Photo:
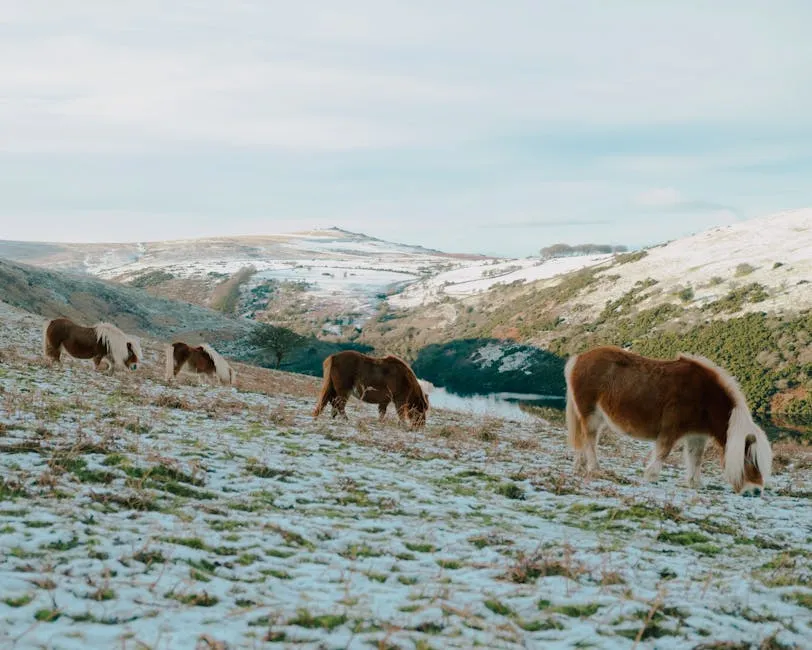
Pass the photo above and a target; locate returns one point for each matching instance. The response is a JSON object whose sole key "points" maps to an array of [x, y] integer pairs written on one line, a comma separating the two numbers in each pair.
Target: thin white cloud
{"points": [[659, 197], [383, 74]]}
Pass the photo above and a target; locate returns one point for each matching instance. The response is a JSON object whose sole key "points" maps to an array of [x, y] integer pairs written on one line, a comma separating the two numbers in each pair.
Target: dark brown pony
{"points": [[201, 360], [688, 398], [102, 341], [375, 381]]}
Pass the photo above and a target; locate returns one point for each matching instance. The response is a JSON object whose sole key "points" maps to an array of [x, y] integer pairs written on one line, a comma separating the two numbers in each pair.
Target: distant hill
{"points": [[325, 282], [740, 295], [88, 300]]}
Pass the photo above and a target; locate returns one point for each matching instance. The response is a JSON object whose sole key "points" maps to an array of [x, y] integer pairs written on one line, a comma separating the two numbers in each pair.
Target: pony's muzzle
{"points": [[751, 490]]}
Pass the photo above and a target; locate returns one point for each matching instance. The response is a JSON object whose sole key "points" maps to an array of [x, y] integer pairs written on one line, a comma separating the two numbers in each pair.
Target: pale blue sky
{"points": [[470, 125]]}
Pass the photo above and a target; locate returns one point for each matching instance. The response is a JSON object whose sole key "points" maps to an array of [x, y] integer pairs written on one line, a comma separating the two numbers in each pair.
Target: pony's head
{"points": [[133, 355], [418, 405], [748, 459]]}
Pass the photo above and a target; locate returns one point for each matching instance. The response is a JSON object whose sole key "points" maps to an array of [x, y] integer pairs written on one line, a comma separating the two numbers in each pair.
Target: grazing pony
{"points": [[102, 341], [202, 360], [375, 381], [688, 398]]}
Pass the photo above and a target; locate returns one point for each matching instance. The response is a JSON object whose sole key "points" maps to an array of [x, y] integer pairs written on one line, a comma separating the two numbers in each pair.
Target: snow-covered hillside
{"points": [[136, 513], [774, 251], [348, 269], [481, 276]]}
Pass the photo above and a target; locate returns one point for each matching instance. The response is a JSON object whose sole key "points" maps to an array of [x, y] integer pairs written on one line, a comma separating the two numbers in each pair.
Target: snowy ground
{"points": [[773, 251], [137, 514], [480, 276]]}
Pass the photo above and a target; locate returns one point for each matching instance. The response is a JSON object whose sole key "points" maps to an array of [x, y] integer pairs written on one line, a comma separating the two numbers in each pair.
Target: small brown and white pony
{"points": [[375, 381], [688, 398], [201, 360], [101, 341]]}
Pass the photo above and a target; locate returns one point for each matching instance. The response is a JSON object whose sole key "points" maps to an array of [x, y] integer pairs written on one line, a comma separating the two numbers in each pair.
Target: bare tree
{"points": [[277, 340]]}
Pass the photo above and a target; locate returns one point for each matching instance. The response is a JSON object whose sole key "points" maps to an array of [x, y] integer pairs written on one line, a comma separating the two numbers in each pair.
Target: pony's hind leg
{"points": [[587, 457], [692, 450], [382, 410], [656, 458]]}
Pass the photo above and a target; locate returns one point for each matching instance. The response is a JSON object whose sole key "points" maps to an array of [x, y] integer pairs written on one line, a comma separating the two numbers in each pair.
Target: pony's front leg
{"points": [[382, 410], [338, 405], [579, 466], [655, 463], [693, 449]]}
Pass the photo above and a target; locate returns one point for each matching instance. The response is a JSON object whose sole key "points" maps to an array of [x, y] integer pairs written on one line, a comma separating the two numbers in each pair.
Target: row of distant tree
{"points": [[565, 250]]}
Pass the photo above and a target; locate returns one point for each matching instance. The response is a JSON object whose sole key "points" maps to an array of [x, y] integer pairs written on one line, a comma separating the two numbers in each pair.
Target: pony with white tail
{"points": [[688, 398], [200, 360], [101, 342]]}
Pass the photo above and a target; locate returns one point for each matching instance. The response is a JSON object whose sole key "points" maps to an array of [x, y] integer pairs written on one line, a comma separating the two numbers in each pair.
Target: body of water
{"points": [[503, 405]]}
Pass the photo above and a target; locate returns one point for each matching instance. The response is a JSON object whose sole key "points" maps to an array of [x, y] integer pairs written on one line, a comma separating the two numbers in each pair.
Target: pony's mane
{"points": [[417, 394], [740, 427], [116, 342], [410, 373], [221, 367]]}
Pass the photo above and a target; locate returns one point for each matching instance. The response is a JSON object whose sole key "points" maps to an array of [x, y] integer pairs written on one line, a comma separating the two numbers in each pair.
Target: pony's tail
{"points": [[48, 350], [327, 392], [745, 438], [170, 362], [575, 434]]}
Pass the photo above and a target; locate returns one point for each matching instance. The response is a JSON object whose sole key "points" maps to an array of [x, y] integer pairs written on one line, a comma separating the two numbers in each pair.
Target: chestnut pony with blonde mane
{"points": [[688, 398], [102, 341], [201, 360], [375, 381]]}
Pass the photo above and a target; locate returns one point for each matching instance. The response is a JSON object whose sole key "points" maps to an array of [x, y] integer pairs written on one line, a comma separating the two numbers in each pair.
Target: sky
{"points": [[463, 125]]}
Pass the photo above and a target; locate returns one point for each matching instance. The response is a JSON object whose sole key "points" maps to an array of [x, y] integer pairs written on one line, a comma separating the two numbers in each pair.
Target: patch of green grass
{"points": [[377, 577], [191, 542], [759, 542], [354, 551], [78, 467], [194, 574], [304, 618], [10, 490], [539, 625], [162, 473], [277, 573], [38, 524], [202, 565], [408, 580], [420, 547], [275, 552], [707, 549], [47, 615], [498, 607], [799, 598], [511, 491], [481, 541], [682, 538], [263, 471], [576, 611], [102, 593], [202, 599], [247, 559], [20, 601], [62, 545], [290, 537], [450, 564], [149, 557]]}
